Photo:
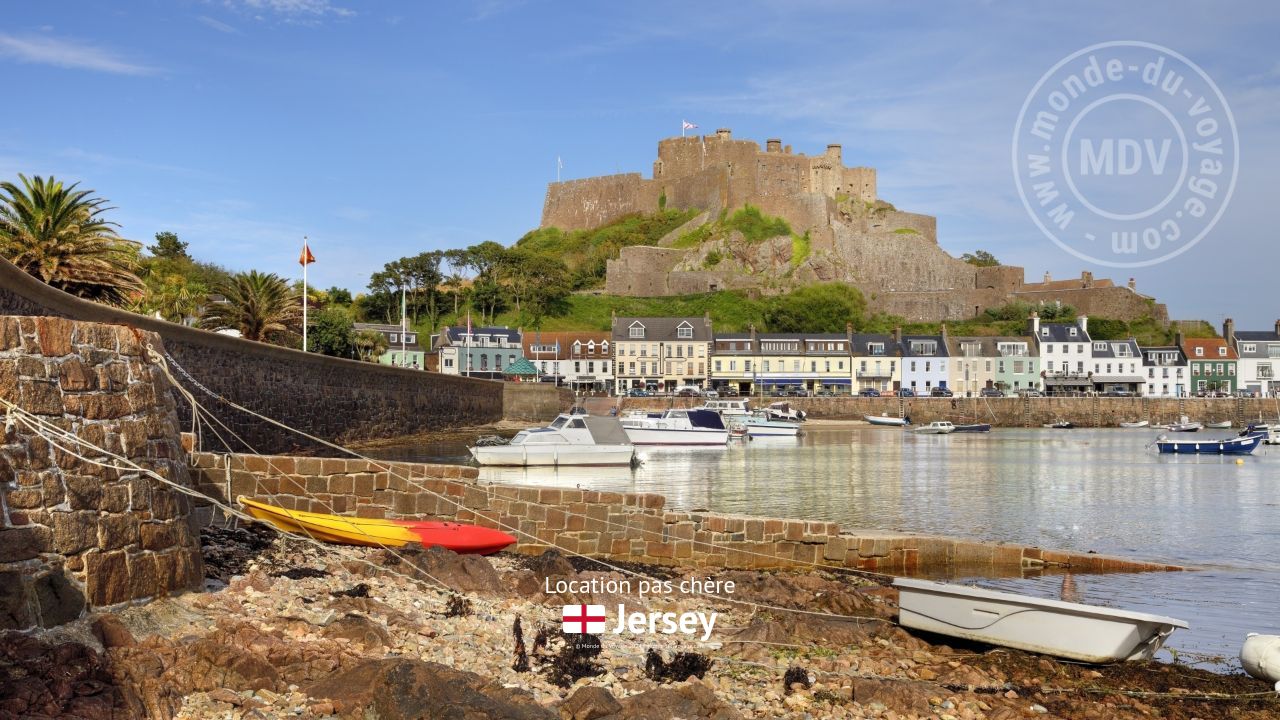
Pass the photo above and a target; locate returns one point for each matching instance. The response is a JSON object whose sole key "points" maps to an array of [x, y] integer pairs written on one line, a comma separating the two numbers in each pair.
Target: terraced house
{"points": [[660, 353], [1066, 357], [483, 352], [1167, 371], [1117, 367], [577, 359], [1259, 359], [1213, 365], [924, 362], [767, 363], [1004, 363], [876, 362]]}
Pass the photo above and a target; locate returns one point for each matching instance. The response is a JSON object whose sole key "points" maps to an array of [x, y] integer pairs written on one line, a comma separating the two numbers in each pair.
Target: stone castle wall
{"points": [[634, 527], [76, 536]]}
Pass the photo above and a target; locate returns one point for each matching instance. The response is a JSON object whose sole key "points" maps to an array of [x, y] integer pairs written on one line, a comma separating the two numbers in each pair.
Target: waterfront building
{"points": [[403, 349], [581, 360], [1004, 363], [483, 352], [1259, 358], [1213, 365], [1167, 371], [1117, 367], [876, 362], [924, 361], [768, 363], [660, 353], [1066, 355]]}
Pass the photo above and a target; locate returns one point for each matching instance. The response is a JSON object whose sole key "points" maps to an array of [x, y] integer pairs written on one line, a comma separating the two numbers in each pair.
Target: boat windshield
{"points": [[560, 421]]}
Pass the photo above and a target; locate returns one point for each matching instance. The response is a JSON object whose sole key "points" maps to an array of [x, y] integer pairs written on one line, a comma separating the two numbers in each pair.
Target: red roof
{"points": [[1210, 347], [566, 339]]}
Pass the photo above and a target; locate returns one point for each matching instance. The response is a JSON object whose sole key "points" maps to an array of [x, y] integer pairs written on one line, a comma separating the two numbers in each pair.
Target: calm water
{"points": [[1099, 490]]}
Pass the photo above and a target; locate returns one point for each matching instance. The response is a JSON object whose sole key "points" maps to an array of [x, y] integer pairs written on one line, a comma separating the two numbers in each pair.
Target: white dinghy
{"points": [[1260, 657], [1087, 633]]}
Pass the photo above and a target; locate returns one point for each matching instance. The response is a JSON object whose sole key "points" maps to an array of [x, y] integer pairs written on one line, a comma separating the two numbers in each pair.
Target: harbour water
{"points": [[1099, 490]]}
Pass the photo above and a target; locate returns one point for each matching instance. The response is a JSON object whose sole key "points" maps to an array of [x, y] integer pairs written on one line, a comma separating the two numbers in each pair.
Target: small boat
{"points": [[728, 408], [1270, 433], [378, 532], [571, 439], [1239, 445], [887, 421], [1184, 424], [973, 428], [1075, 631], [1219, 425], [675, 427], [763, 424], [1059, 425], [784, 411], [937, 427], [1260, 657], [1135, 424]]}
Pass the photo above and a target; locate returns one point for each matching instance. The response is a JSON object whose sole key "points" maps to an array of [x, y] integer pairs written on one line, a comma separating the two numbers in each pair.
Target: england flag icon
{"points": [[588, 619]]}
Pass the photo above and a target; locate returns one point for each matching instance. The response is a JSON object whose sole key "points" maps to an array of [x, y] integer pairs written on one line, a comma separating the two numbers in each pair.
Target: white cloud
{"points": [[299, 11], [46, 50], [217, 25]]}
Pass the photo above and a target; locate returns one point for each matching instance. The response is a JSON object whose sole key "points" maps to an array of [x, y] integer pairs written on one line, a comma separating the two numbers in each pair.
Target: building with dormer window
{"points": [[1213, 365], [1259, 363], [575, 359], [1167, 372], [754, 363], [1066, 355], [660, 354], [924, 361], [483, 352], [403, 349]]}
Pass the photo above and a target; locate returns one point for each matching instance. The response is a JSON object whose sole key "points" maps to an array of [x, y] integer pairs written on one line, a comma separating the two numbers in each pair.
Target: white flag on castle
{"points": [[686, 125]]}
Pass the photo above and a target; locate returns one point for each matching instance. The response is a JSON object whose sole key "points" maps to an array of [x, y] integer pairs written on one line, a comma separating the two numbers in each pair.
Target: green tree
{"points": [[370, 344], [338, 296], [331, 331], [981, 258], [169, 247], [540, 282], [174, 296], [58, 234], [824, 307], [261, 306], [488, 298]]}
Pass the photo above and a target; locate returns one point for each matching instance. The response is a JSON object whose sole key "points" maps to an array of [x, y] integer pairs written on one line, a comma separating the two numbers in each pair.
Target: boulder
{"points": [[589, 703], [691, 701], [358, 629], [461, 573], [901, 695]]}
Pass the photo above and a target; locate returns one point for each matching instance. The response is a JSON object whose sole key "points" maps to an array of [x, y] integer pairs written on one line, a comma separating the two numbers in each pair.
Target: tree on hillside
{"points": [[169, 247], [825, 307], [536, 280], [981, 258], [484, 258], [487, 297], [260, 306], [422, 272], [174, 296], [58, 234], [331, 332]]}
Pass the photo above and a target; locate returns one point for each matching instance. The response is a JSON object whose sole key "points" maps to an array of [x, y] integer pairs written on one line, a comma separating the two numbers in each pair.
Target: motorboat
{"points": [[1260, 657], [1074, 631], [1059, 425], [1219, 425], [1184, 424], [761, 423], [571, 439], [973, 427], [784, 411], [887, 421], [1135, 424], [675, 427], [1270, 433], [937, 427], [1239, 445], [728, 408], [380, 532]]}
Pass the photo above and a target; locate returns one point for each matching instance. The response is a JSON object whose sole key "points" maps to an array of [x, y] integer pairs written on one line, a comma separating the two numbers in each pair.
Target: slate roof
{"points": [[1110, 351], [661, 329], [1061, 332], [456, 334], [989, 345], [907, 350], [860, 341], [563, 341], [388, 330], [1259, 338], [1147, 350]]}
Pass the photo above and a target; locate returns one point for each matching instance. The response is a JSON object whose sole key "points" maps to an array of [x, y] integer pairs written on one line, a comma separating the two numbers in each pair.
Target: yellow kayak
{"points": [[379, 532]]}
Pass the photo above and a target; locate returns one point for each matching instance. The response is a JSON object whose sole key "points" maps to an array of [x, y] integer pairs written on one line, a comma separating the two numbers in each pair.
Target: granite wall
{"points": [[76, 536]]}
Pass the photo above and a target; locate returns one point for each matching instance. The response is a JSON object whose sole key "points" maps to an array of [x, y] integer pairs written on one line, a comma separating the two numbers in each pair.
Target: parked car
{"points": [[823, 393], [638, 392], [795, 392], [688, 391], [1030, 393], [1117, 393], [940, 392], [711, 394], [904, 392], [729, 392], [869, 392], [991, 392]]}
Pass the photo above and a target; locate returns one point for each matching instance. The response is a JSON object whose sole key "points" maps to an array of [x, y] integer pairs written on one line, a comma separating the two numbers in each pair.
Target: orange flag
{"points": [[306, 258]]}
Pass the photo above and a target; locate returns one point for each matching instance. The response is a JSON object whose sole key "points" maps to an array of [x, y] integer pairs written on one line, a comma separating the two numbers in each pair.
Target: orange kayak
{"points": [[379, 532]]}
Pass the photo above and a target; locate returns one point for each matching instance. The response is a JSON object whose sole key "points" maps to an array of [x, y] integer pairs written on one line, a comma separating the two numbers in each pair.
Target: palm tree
{"points": [[371, 344], [57, 233], [256, 304], [454, 284]]}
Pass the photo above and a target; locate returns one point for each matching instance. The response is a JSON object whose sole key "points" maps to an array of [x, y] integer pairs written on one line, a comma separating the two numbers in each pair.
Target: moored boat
{"points": [[1135, 424], [571, 439], [379, 532], [728, 408], [1075, 631], [887, 421], [973, 428], [675, 427], [1059, 425], [1239, 445], [1270, 433], [762, 424], [937, 427], [1219, 425], [784, 411], [1184, 424]]}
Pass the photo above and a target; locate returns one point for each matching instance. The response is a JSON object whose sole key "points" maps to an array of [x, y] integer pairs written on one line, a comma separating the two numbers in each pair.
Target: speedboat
{"points": [[728, 408], [1239, 445], [1134, 424], [675, 427], [762, 424], [1184, 424], [1074, 631], [1059, 425], [784, 411], [937, 427], [571, 439], [887, 421], [1270, 433]]}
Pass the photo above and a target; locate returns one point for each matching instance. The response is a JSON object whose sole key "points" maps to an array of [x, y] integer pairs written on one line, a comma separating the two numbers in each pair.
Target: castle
{"points": [[843, 232]]}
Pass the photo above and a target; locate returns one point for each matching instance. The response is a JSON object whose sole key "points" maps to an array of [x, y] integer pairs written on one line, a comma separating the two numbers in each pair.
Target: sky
{"points": [[383, 129]]}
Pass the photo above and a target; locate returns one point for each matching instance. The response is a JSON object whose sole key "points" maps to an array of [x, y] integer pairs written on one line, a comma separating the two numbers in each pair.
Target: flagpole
{"points": [[304, 293], [404, 359], [558, 166]]}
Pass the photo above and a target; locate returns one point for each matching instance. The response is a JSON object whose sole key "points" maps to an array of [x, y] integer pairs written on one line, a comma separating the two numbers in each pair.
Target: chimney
{"points": [[786, 150], [752, 328], [1083, 323], [1177, 338], [1033, 323], [1278, 327], [773, 145], [1229, 331], [897, 334], [848, 333], [1086, 278], [943, 330]]}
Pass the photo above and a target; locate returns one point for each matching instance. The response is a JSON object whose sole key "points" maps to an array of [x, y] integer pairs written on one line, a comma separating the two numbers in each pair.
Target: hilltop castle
{"points": [[844, 232]]}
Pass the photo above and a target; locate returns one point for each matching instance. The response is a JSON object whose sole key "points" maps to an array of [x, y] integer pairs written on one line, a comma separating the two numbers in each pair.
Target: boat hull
{"points": [[1229, 446], [1133, 425], [885, 420], [1073, 631], [553, 455], [1260, 657], [380, 532], [973, 428], [669, 436]]}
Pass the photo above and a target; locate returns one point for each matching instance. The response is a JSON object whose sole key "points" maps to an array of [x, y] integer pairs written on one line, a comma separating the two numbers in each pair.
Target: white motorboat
{"points": [[1184, 424], [784, 411], [1134, 424], [1219, 425], [571, 439], [762, 424], [728, 408], [1270, 433], [886, 420], [937, 427], [1075, 631], [675, 427], [1260, 657]]}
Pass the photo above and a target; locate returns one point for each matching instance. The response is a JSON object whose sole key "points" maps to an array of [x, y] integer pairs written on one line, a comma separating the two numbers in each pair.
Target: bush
{"points": [[756, 226]]}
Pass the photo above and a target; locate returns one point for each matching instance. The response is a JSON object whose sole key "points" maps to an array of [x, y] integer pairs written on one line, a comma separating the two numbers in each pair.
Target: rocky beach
{"points": [[283, 630]]}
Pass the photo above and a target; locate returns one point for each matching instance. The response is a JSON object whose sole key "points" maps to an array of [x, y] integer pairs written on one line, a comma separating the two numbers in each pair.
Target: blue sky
{"points": [[383, 129]]}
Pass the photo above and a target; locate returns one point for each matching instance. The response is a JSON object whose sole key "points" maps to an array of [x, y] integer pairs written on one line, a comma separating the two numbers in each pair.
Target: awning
{"points": [[1118, 379], [837, 381], [1068, 381]]}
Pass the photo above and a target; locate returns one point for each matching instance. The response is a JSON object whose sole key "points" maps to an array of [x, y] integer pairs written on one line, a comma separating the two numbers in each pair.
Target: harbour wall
{"points": [[332, 398], [633, 527], [1013, 412]]}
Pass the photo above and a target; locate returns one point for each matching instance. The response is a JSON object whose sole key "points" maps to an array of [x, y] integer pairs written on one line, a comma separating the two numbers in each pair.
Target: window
{"points": [[828, 368], [862, 367], [577, 367], [1195, 367], [971, 348], [1017, 366], [1080, 349], [395, 337], [913, 368], [684, 331], [746, 366], [448, 362], [411, 339], [1200, 383], [1080, 367], [1273, 350], [1099, 347], [1249, 348], [795, 366], [1050, 368], [1222, 352], [733, 365], [636, 330], [999, 366], [1044, 332], [766, 366], [876, 348], [633, 368], [484, 361], [1122, 350], [988, 366], [1218, 369], [1231, 369], [924, 347], [717, 366], [1264, 371], [1199, 352], [1073, 332], [1048, 348]]}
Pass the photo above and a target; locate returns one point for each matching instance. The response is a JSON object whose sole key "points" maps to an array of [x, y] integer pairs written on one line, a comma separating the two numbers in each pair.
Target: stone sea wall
{"points": [[75, 536], [634, 527]]}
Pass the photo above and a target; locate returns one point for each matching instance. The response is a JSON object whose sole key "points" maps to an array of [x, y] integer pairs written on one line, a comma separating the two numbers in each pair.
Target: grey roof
{"points": [[907, 350], [1061, 332], [989, 345], [662, 329], [456, 334], [1182, 356], [1260, 338], [389, 330], [860, 341], [1110, 351]]}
